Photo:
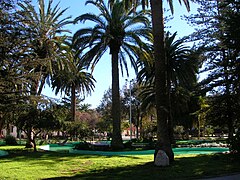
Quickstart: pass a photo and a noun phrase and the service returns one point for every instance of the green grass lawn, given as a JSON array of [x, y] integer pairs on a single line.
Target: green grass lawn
[[25, 164]]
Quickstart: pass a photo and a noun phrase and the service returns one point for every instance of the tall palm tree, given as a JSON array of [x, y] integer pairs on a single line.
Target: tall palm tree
[[181, 68], [73, 78], [45, 24], [162, 101], [121, 31]]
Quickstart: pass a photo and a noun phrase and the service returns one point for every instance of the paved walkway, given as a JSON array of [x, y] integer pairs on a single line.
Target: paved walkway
[[230, 177], [3, 153]]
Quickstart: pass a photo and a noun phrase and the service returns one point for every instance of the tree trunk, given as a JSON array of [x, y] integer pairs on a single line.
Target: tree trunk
[[199, 126], [34, 144], [29, 138], [117, 142], [1, 125], [73, 103], [227, 68], [229, 115], [8, 129], [163, 140]]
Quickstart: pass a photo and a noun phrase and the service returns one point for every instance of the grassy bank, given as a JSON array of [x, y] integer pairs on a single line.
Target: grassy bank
[[25, 164]]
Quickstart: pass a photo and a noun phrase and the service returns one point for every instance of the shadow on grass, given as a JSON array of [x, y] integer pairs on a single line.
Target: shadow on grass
[[201, 166], [26, 155], [182, 168]]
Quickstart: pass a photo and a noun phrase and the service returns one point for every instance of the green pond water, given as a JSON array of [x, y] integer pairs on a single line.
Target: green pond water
[[177, 151], [3, 153]]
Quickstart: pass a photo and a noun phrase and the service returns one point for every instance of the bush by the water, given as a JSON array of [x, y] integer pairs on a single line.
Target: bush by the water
[[10, 140], [82, 146]]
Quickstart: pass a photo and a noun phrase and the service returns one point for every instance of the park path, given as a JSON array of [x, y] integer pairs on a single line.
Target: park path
[[230, 177]]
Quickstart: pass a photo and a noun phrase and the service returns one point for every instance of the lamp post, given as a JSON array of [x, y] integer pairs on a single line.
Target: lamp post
[[130, 107]]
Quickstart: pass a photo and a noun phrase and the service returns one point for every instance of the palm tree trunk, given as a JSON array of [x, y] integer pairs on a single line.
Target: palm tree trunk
[[116, 110], [163, 140]]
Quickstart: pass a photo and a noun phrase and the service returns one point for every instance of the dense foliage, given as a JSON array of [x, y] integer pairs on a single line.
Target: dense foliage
[[217, 39]]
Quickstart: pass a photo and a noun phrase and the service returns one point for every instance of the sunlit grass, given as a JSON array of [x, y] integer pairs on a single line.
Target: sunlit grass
[[25, 164]]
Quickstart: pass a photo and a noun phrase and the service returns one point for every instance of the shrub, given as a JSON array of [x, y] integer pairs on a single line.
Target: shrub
[[179, 131], [82, 146], [209, 130], [10, 140], [128, 145]]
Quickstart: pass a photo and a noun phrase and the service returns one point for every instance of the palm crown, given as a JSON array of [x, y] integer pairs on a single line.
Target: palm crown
[[181, 68], [44, 27], [116, 29]]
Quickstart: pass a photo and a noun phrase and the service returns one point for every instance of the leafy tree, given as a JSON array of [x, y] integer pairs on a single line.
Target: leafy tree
[[33, 121], [90, 118], [132, 99], [221, 56], [201, 114], [217, 114], [122, 32], [84, 125], [13, 76], [78, 130], [104, 109], [228, 18]]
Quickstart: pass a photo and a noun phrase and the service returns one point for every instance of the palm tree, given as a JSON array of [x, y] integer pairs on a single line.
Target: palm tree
[[161, 77], [162, 101], [45, 25], [121, 31], [73, 77], [181, 68]]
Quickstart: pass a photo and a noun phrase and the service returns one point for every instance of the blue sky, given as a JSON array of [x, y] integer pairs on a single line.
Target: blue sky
[[102, 72]]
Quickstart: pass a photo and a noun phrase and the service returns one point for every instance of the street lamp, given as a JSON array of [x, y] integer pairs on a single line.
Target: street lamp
[[130, 107]]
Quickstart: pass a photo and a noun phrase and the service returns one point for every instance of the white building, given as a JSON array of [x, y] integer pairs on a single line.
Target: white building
[[13, 132]]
